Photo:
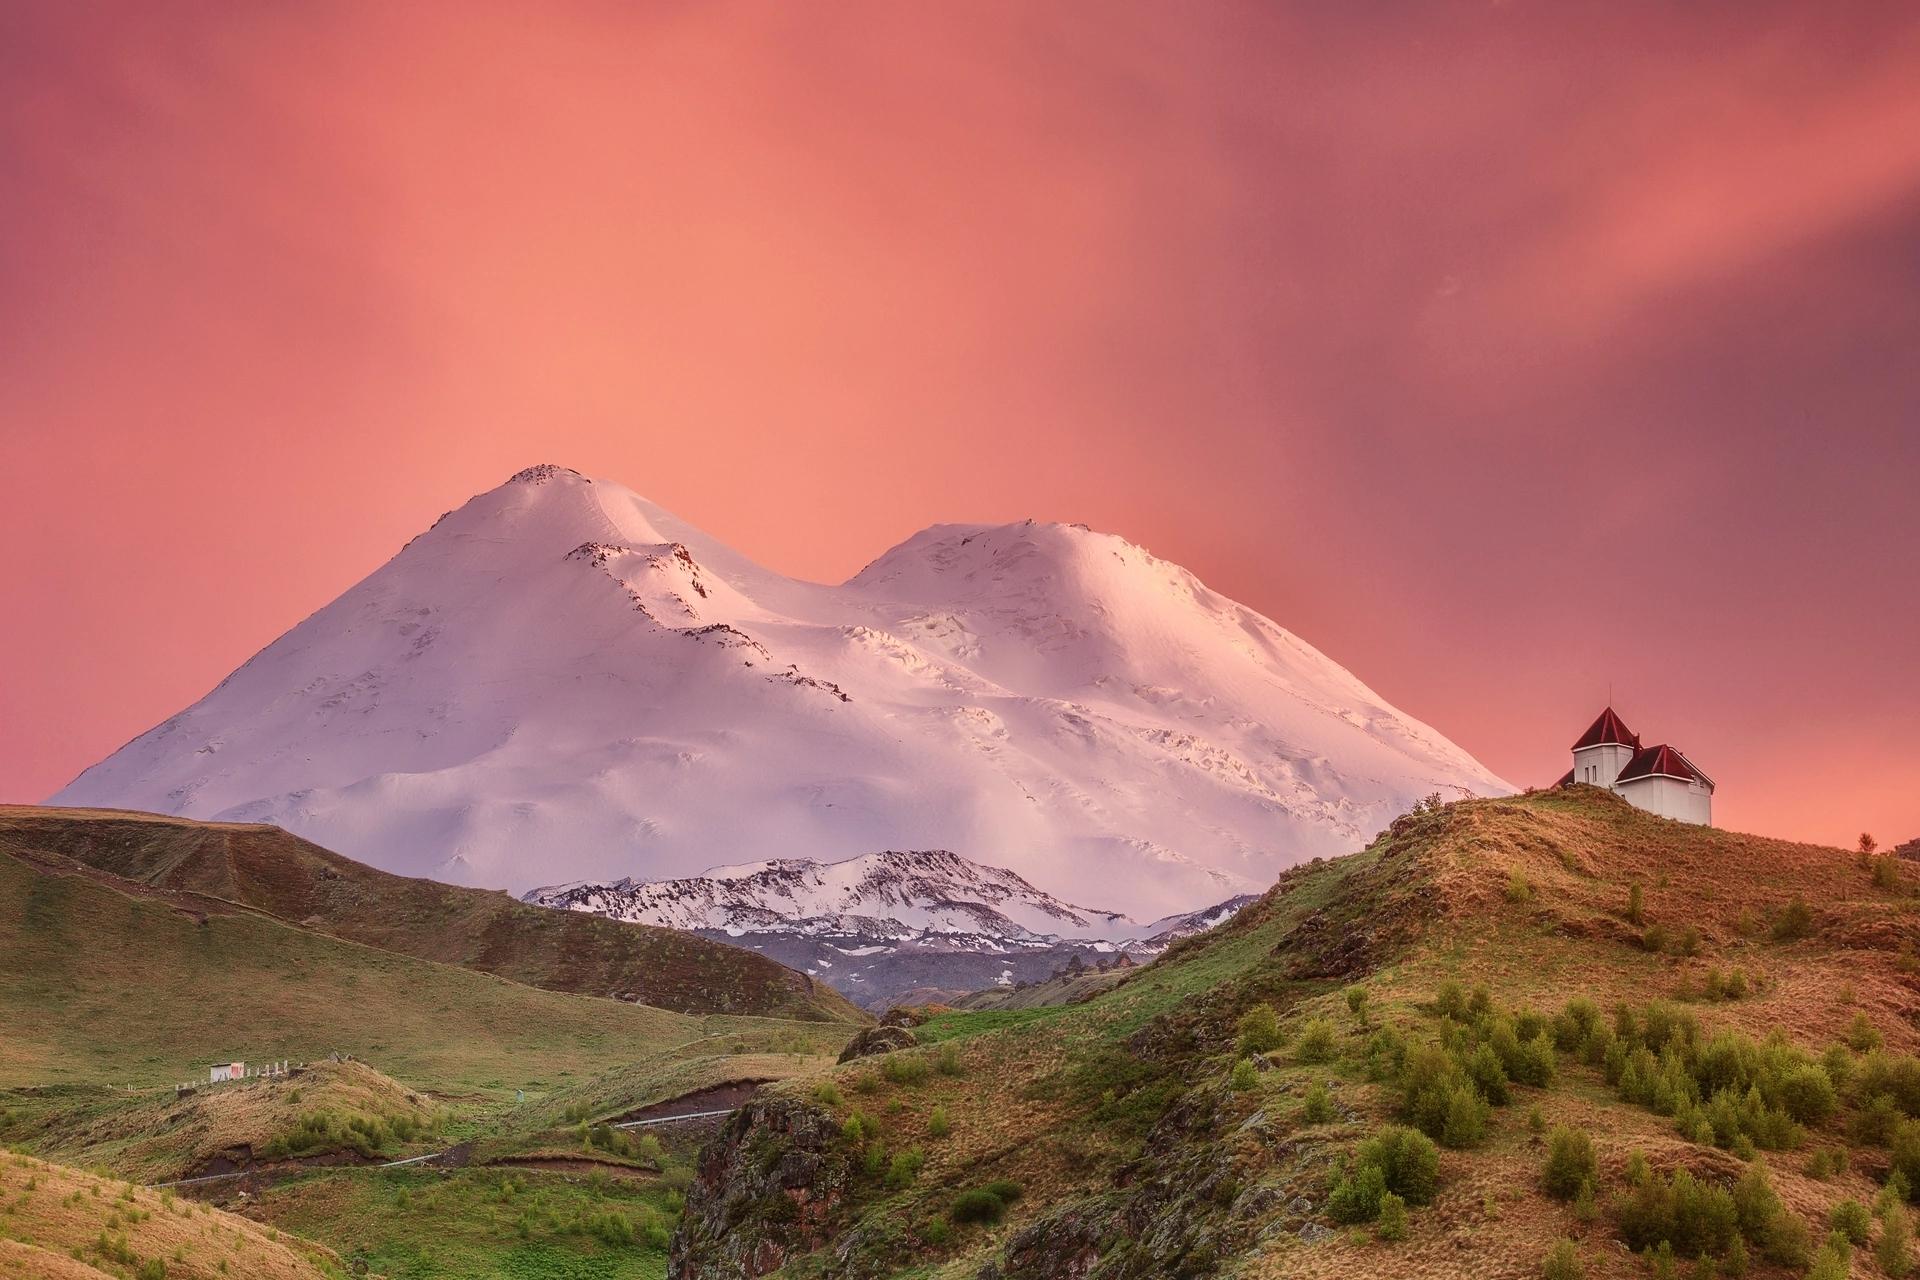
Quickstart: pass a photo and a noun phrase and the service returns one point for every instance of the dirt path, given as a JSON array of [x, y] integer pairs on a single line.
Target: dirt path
[[715, 1100]]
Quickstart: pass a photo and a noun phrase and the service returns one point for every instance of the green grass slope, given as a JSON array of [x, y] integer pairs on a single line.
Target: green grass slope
[[99, 984], [1727, 1021], [269, 870]]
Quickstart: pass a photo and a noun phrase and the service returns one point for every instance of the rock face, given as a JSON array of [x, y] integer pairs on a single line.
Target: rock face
[[764, 1190], [1062, 1246], [877, 1040]]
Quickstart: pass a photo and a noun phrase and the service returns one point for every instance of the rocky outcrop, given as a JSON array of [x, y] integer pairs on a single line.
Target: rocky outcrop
[[875, 1040], [764, 1190], [1062, 1246]]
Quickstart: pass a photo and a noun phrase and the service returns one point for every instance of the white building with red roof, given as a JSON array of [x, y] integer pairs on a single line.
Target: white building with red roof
[[1659, 779]]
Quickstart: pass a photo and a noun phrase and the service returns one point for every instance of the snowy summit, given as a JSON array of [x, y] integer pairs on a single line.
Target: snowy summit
[[561, 681]]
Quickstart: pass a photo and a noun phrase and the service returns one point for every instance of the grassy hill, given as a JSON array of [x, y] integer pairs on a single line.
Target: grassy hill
[[59, 1223], [265, 868], [113, 989], [1707, 1038]]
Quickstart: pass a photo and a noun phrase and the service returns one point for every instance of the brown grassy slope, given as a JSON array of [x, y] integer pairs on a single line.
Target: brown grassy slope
[[55, 1220], [1581, 850], [1118, 1113], [158, 1136], [269, 870]]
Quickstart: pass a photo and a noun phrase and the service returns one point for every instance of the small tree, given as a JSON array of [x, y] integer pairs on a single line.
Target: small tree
[[1571, 1163], [1244, 1076], [1317, 1108], [1260, 1030], [1316, 1041], [1393, 1218], [1894, 1250], [1867, 845], [1636, 905], [1357, 1004], [1563, 1262]]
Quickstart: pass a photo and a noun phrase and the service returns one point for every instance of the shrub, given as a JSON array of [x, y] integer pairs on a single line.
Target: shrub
[[1407, 1158], [1851, 1219], [1570, 1163], [947, 1061], [978, 1205], [1467, 1117], [904, 1068], [1822, 1164], [1683, 1212], [1488, 1075], [1317, 1107], [1585, 1208], [828, 1094], [1357, 1003], [1807, 1094], [1862, 1036], [904, 1168], [1795, 921], [1886, 873], [1518, 890], [1788, 1241], [1316, 1041], [612, 1229], [1655, 938], [1894, 1250], [1393, 1218], [1005, 1188], [1906, 1153], [1563, 1260], [1833, 1262], [1357, 1196], [937, 1124], [1450, 1000], [1260, 1030], [1244, 1077]]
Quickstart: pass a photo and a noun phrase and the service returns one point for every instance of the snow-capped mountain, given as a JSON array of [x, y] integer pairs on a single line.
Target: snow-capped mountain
[[883, 925], [891, 895], [562, 681]]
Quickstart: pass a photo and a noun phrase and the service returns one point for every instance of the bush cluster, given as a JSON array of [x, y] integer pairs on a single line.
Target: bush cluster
[[1396, 1161], [1450, 1087], [1728, 1090], [984, 1204], [318, 1131]]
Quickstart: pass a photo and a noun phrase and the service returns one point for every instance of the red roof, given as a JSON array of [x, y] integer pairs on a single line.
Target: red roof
[[1662, 761], [1609, 728]]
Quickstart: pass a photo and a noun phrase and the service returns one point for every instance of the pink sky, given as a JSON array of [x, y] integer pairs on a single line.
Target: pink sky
[[1503, 351]]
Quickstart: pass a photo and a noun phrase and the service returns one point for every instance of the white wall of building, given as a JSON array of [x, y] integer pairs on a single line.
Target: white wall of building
[[1670, 798], [1600, 765]]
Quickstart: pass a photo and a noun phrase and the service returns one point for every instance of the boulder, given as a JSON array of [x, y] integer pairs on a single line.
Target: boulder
[[875, 1040]]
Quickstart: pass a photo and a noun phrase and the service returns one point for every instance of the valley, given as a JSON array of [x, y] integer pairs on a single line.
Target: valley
[[117, 987]]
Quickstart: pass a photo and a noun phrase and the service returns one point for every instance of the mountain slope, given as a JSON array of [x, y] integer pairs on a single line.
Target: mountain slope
[[105, 979], [1485, 953], [929, 891], [885, 926], [561, 681], [299, 882]]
